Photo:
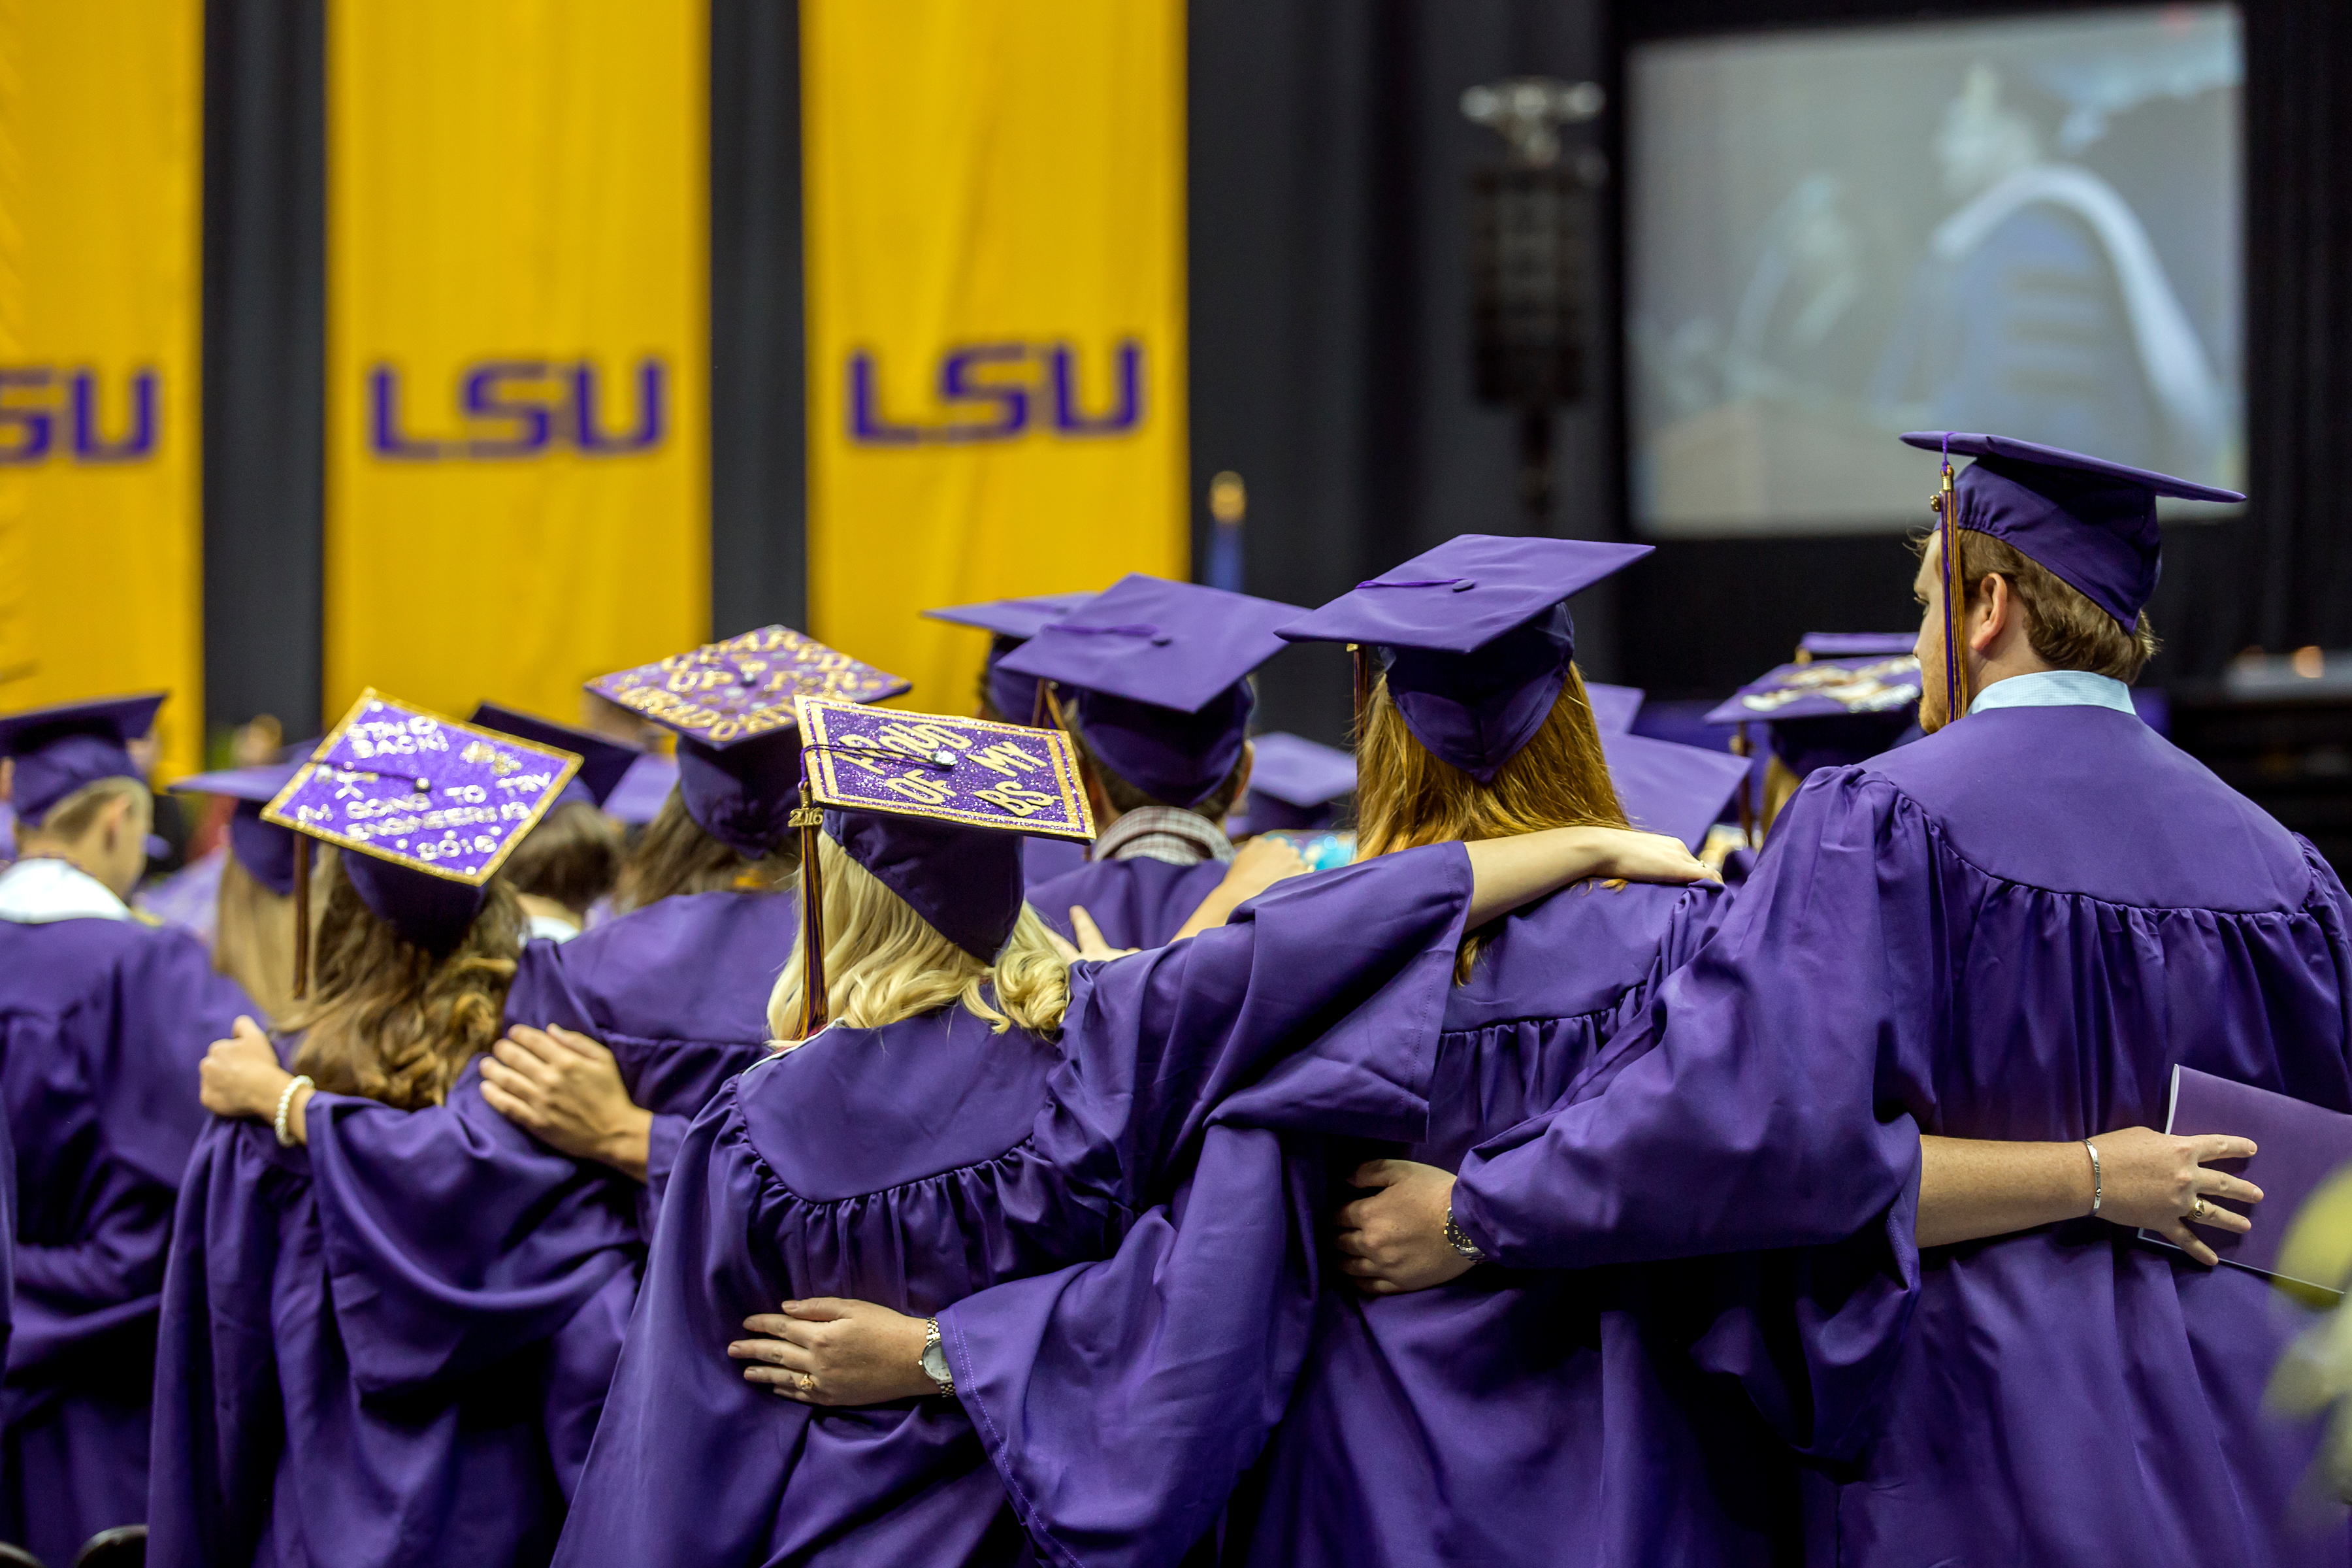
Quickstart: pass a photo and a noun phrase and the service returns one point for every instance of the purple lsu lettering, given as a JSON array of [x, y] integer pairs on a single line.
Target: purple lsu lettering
[[1026, 385], [522, 408], [30, 415]]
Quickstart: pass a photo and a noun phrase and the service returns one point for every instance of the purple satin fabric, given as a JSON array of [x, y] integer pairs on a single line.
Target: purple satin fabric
[[102, 1024], [1524, 1416], [1135, 904], [742, 795], [2013, 929], [48, 775], [1014, 697], [433, 912], [1477, 709], [916, 1165], [1042, 859], [1176, 758], [965, 881], [676, 991], [264, 849], [189, 898], [2097, 533]]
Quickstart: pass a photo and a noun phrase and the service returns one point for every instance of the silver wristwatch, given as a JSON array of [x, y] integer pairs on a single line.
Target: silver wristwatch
[[935, 1359], [1460, 1243]]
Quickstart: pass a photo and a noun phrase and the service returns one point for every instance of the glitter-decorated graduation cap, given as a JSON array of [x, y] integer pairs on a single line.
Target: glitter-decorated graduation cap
[[1018, 697], [425, 808], [62, 748], [1474, 636], [935, 808], [1614, 708], [731, 705], [1668, 787], [1830, 711], [604, 762], [1161, 677], [1294, 782], [264, 848], [1854, 644]]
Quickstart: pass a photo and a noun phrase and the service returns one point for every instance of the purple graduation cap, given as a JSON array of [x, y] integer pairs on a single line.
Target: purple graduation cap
[[934, 808], [1854, 644], [1474, 636], [1614, 708], [604, 762], [1827, 713], [264, 848], [1161, 671], [1017, 698], [731, 705], [2091, 522], [1668, 787], [425, 809], [638, 798], [59, 748], [1294, 783]]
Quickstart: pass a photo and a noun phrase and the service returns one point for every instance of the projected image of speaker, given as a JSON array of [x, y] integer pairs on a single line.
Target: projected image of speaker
[[2023, 225]]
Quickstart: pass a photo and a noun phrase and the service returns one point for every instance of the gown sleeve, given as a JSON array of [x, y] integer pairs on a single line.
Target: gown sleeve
[[140, 1059], [453, 1238], [1768, 1104], [1121, 1401]]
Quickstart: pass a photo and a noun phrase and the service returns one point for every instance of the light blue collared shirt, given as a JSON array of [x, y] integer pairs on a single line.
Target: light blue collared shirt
[[2056, 689]]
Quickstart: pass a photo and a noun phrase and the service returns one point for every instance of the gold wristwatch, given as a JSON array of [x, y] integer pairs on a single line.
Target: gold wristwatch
[[935, 1359]]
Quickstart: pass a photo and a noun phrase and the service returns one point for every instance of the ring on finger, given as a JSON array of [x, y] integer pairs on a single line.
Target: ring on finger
[[2197, 1209], [807, 1382]]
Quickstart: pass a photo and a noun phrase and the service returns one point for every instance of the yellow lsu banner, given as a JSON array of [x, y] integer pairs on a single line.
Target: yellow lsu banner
[[101, 559], [995, 219], [515, 348]]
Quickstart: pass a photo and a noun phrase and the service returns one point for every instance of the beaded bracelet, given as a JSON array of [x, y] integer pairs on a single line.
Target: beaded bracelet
[[286, 1104]]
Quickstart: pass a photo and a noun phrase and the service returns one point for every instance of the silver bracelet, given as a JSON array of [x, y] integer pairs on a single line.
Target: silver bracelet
[[286, 1104], [2097, 1185]]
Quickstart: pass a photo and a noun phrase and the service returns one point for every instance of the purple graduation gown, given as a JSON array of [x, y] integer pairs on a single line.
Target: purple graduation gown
[[1540, 1417], [386, 1347], [916, 1165], [2010, 930], [102, 1025], [518, 1267], [1135, 904], [677, 991]]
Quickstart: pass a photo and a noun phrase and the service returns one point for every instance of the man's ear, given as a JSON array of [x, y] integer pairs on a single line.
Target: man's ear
[[1994, 609]]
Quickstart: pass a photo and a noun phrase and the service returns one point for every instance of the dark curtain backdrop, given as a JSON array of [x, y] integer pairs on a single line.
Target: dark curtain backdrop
[[1330, 360], [1331, 367]]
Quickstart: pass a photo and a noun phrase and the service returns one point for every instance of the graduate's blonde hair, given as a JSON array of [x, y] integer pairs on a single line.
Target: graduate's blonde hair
[[1407, 795], [253, 939], [884, 963]]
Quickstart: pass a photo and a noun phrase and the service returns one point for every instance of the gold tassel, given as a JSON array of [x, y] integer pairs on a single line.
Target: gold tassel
[[816, 1010], [301, 915], [1361, 659], [1741, 747], [1956, 652]]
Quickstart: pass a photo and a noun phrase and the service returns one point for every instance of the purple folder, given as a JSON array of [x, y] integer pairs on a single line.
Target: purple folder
[[2301, 1146]]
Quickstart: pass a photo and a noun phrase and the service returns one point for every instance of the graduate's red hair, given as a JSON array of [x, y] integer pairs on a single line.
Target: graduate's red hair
[[1406, 796]]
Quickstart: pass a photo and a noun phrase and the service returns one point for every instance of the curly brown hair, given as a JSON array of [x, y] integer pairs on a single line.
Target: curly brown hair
[[571, 859], [386, 1019], [674, 855]]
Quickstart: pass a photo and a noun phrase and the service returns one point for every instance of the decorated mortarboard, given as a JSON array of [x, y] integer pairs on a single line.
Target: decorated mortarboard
[[604, 762], [1614, 708], [1015, 695], [644, 790], [59, 748], [1293, 783], [1161, 671], [935, 808], [731, 705], [1830, 711], [2091, 522], [264, 848], [1474, 636], [425, 809], [1668, 787], [1855, 644]]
